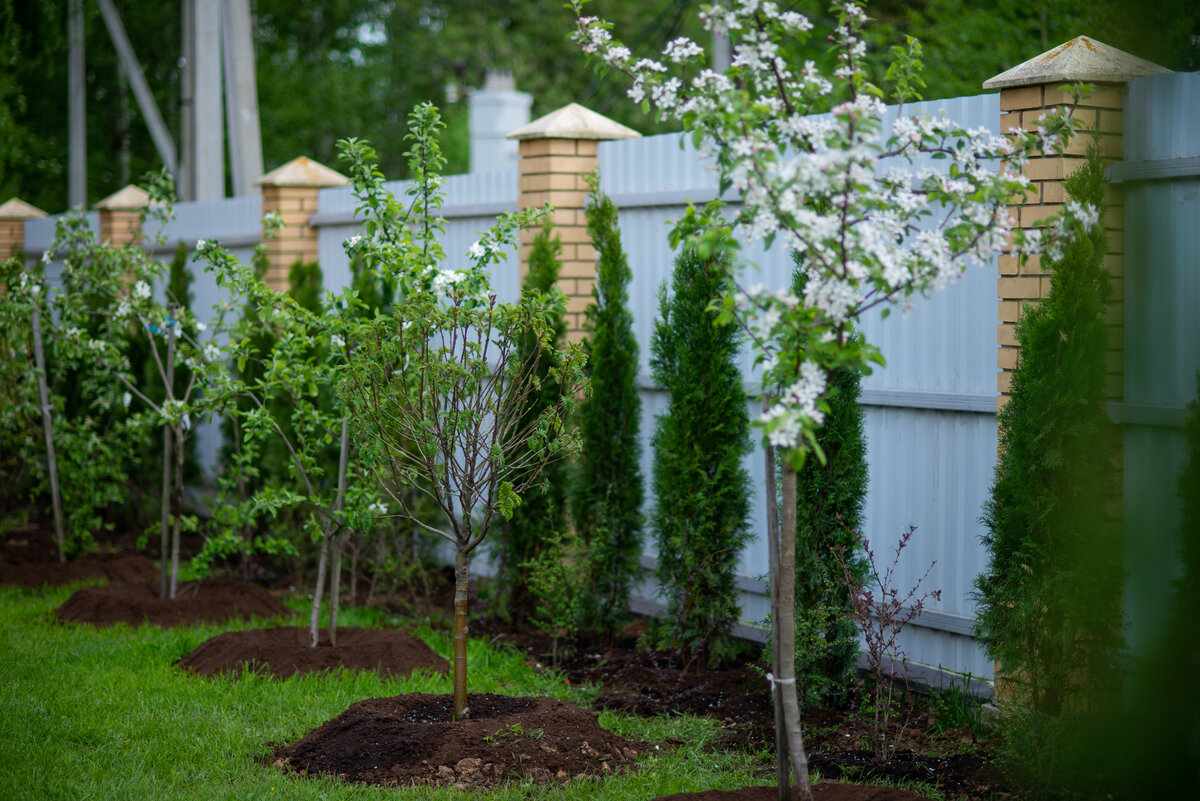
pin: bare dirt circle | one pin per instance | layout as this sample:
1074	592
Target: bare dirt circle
284	651
205	601
411	740
825	791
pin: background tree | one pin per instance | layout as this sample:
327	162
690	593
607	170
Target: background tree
702	508
542	511
606	503
1050	600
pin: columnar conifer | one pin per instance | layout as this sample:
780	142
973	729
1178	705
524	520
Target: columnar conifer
607	501
701	514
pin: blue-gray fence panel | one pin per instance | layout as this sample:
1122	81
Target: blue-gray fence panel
930	413
1161	179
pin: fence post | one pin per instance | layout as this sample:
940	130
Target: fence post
120	215
13	214
557	154
291	192
1028	91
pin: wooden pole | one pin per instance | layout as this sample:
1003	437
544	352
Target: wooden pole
39	356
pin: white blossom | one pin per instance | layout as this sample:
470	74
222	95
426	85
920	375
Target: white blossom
141	290
476	251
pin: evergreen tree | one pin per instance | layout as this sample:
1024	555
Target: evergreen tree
1050	600
541	512
607	501
829	515
701	517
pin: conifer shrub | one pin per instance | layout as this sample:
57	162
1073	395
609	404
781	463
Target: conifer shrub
607	494
542	512
1050	600
701	515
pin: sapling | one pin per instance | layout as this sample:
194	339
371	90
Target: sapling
434	388
874	230
558	579
881	614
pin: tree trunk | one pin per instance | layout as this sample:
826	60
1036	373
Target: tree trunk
335	574
177	524
782	778
166	585
787	630
39	356
462	580
314	621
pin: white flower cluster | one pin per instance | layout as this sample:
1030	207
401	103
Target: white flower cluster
446	280
141	290
477	251
874	217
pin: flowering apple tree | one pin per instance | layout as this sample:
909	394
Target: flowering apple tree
875	216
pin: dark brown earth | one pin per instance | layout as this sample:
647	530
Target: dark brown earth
825	791
285	651
411	740
647	683
111	567
204	601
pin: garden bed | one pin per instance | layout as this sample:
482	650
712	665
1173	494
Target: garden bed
204	601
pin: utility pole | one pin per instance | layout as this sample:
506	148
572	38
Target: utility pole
241	98
76	108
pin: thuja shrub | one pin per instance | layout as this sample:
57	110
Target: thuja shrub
607	497
522	537
700	518
1050	599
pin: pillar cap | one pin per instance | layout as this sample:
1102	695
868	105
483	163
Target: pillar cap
1081	59
131	198
17	209
303	171
573	121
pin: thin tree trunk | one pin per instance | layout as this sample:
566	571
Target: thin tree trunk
787	629
39	356
314	621
354	574
177	523
164	545
782	778
335	576
462	579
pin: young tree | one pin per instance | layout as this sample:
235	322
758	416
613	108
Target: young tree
701	514
606	503
846	197
521	537
435	389
1050	601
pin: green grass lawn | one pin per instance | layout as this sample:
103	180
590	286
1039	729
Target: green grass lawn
90	713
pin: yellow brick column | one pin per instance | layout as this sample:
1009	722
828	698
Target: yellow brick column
13	214
1028	91
291	192
120	215
557	155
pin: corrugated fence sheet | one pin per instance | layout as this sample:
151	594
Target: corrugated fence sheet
1161	181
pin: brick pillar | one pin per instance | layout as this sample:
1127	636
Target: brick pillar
291	192
120	215
13	214
557	154
1026	92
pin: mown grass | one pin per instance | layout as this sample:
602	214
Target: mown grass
90	713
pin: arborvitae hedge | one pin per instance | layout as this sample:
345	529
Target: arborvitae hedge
607	497
701	517
1050	601
543	511
829	514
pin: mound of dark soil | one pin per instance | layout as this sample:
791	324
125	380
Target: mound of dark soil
284	651
205	601
825	791
112	567
411	740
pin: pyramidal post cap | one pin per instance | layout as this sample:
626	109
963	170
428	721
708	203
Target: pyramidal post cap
17	209
131	198
1081	59
574	121
303	171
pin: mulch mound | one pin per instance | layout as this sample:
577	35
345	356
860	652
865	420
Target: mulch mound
112	567
825	791
411	740
285	651
204	601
